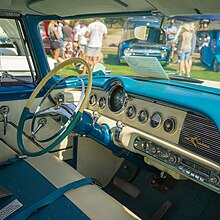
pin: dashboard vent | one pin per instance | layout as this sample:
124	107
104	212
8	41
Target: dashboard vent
201	136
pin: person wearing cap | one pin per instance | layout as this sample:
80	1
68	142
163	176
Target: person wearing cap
185	49
171	31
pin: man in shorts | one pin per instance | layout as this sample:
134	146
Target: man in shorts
171	31
96	32
185	49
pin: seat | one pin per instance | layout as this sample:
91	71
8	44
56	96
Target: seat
90	199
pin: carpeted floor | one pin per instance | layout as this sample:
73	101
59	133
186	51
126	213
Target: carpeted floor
189	200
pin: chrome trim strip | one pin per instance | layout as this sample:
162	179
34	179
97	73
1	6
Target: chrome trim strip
178	149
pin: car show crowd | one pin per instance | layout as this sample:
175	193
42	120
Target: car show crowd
78	40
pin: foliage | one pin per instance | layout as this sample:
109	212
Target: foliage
119	22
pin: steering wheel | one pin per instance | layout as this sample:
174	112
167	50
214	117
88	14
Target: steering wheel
71	112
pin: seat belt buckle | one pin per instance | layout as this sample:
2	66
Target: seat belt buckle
96	182
21	156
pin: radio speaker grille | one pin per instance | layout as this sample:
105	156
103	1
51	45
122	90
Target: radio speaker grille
201	136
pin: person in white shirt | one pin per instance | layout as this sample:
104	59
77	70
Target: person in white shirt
76	30
96	32
82	39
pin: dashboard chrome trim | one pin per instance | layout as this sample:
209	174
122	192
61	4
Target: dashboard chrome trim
177	148
114	85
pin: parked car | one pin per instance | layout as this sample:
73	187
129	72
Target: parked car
210	53
120	146
134	47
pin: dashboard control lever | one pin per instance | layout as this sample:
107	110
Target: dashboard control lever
119	127
119	124
95	116
41	123
4	110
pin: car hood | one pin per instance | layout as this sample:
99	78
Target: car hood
148	45
79	7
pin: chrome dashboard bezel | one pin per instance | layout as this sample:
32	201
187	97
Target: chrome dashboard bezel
161	120
146	119
135	113
98	102
109	94
93	104
174	122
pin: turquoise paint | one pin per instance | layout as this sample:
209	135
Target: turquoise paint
192	97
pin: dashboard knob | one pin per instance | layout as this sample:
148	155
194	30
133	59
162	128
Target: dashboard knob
214	180
164	155
144	145
173	159
153	150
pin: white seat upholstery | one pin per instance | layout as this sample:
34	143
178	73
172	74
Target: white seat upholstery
90	199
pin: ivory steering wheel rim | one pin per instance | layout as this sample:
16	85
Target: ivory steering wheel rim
26	111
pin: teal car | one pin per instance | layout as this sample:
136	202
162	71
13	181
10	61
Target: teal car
132	144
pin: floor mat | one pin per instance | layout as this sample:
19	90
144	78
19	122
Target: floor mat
189	200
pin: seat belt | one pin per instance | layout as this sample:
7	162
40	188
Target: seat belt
12	160
52	197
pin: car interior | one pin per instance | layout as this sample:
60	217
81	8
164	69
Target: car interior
121	142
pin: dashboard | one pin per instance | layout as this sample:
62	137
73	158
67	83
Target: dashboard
169	137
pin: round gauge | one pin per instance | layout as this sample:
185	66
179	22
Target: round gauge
117	98
156	120
102	102
143	116
131	111
169	125
93	100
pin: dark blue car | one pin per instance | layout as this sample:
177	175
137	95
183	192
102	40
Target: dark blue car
210	54
131	46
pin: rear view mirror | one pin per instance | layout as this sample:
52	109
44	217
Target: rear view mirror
150	34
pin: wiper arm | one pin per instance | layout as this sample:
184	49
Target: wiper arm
184	78
5	74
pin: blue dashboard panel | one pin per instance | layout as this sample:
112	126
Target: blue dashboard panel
18	92
192	97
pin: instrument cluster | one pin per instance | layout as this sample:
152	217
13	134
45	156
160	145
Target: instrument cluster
155	120
116	101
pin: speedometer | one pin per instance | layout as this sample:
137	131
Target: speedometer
117	98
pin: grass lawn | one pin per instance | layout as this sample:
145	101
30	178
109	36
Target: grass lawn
199	70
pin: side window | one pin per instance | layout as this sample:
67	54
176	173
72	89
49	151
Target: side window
16	65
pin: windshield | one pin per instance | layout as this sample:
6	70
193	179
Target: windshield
191	50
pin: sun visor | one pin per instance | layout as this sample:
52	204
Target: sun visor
175	7
79	7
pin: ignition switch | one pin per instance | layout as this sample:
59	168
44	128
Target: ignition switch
118	130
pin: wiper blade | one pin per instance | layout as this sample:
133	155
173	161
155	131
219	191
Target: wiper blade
5	74
184	78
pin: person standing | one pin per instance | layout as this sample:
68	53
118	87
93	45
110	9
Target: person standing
60	33
76	30
96	32
67	35
193	44
171	31
185	49
82	39
54	36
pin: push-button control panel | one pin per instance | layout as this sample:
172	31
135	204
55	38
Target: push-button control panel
180	163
